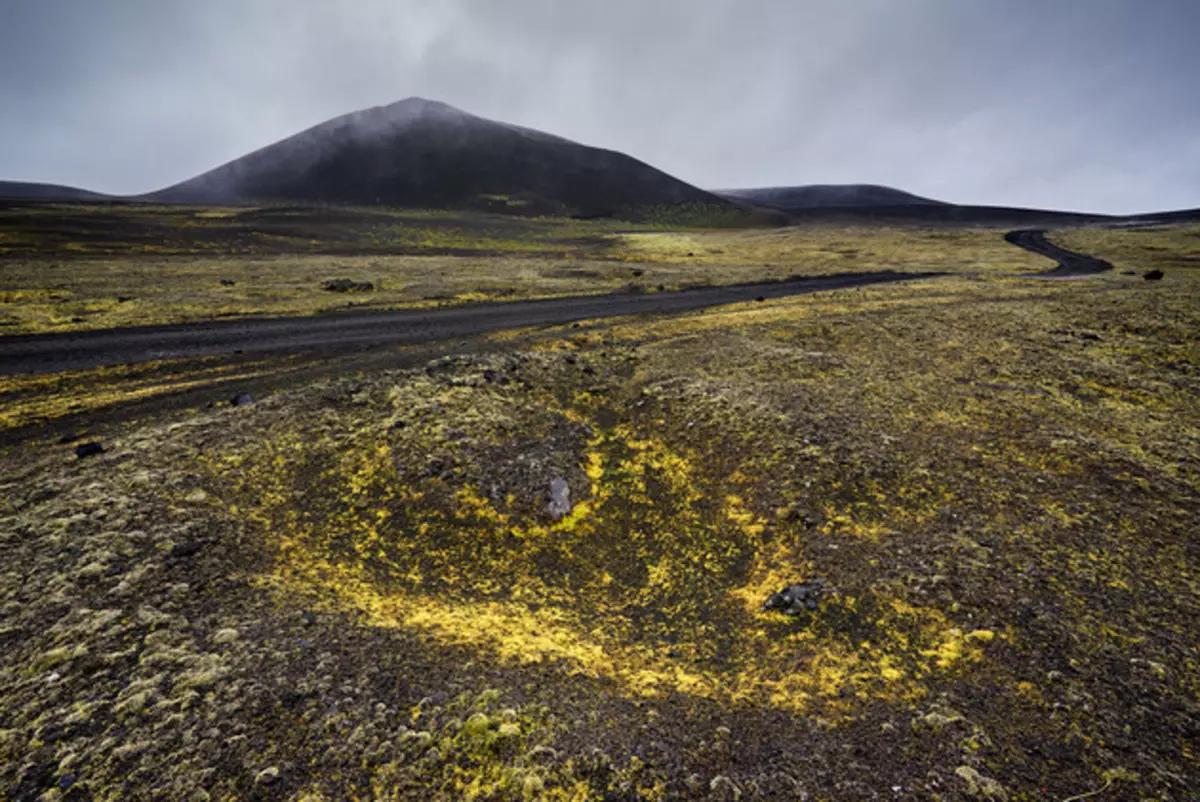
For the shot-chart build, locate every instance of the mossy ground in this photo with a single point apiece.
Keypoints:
(355, 590)
(76, 268)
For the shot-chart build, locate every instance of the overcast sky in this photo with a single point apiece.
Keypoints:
(1077, 104)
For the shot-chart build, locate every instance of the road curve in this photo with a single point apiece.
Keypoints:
(1070, 264)
(347, 332)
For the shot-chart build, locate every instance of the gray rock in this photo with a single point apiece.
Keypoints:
(560, 498)
(797, 598)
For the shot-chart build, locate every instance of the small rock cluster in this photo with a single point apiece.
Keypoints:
(798, 598)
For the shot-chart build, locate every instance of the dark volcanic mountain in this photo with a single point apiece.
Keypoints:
(22, 190)
(826, 196)
(870, 203)
(423, 153)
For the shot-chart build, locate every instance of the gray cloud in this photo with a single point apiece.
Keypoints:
(1085, 105)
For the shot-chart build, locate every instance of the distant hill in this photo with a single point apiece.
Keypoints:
(870, 203)
(826, 196)
(22, 190)
(421, 153)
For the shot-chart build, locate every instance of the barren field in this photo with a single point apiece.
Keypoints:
(532, 564)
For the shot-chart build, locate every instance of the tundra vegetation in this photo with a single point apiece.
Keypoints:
(354, 588)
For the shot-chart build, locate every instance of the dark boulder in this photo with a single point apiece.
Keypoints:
(1154, 275)
(88, 450)
(798, 598)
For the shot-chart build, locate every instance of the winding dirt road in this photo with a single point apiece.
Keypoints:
(352, 332)
(348, 333)
(1070, 263)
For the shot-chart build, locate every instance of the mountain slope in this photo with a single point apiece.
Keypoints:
(813, 196)
(24, 190)
(424, 153)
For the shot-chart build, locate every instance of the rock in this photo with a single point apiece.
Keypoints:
(1154, 275)
(223, 636)
(196, 497)
(797, 598)
(980, 786)
(267, 776)
(938, 720)
(183, 550)
(1128, 272)
(560, 498)
(724, 789)
(761, 298)
(346, 285)
(84, 450)
(241, 400)
(227, 282)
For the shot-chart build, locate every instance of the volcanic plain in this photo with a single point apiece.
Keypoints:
(531, 562)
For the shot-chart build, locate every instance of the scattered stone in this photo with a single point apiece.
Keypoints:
(1087, 335)
(797, 598)
(638, 273)
(980, 786)
(196, 497)
(241, 400)
(228, 282)
(346, 285)
(84, 450)
(1128, 272)
(937, 720)
(123, 299)
(560, 498)
(184, 550)
(724, 789)
(1154, 275)
(66, 781)
(267, 776)
(761, 298)
(224, 636)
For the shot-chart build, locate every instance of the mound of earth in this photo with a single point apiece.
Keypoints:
(856, 203)
(24, 190)
(813, 196)
(423, 153)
